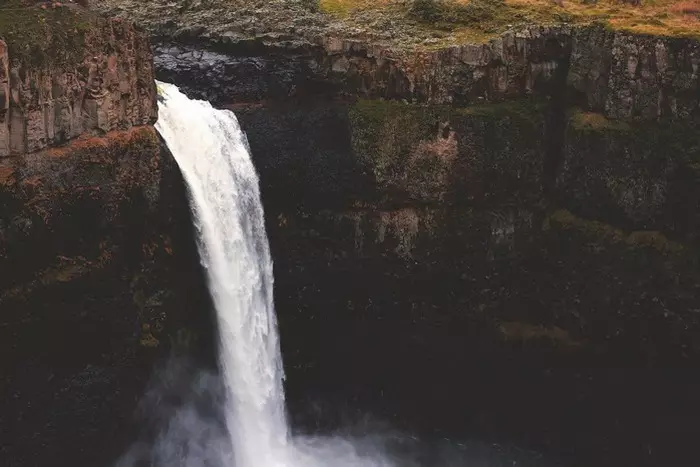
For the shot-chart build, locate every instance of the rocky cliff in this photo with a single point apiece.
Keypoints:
(76, 135)
(636, 76)
(48, 104)
(93, 220)
(256, 50)
(513, 217)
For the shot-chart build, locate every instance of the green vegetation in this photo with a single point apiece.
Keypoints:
(594, 122)
(340, 7)
(413, 148)
(606, 234)
(43, 36)
(427, 10)
(524, 332)
(526, 109)
(448, 14)
(384, 133)
(678, 140)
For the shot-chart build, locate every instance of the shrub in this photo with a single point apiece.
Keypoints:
(427, 10)
(449, 12)
(311, 5)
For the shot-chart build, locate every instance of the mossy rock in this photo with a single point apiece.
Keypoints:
(639, 175)
(597, 234)
(430, 153)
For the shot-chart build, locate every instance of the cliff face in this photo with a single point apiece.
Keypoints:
(632, 76)
(514, 64)
(526, 204)
(618, 73)
(75, 134)
(111, 88)
(93, 222)
(461, 245)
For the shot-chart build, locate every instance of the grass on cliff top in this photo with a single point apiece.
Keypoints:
(43, 36)
(345, 7)
(673, 18)
(442, 23)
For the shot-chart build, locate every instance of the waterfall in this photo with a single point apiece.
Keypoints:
(213, 156)
(212, 153)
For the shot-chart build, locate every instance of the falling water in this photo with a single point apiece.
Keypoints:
(212, 153)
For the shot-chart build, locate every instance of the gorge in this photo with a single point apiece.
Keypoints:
(487, 240)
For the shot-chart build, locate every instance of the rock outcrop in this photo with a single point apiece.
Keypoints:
(516, 64)
(93, 224)
(635, 175)
(75, 133)
(617, 73)
(112, 88)
(636, 76)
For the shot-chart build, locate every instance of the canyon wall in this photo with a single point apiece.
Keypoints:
(513, 221)
(527, 285)
(93, 222)
(77, 130)
(619, 74)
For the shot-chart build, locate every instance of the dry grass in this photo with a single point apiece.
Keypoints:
(658, 17)
(595, 122)
(345, 7)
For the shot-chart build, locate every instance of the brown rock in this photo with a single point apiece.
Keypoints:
(113, 88)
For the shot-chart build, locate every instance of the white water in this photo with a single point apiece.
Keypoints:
(212, 153)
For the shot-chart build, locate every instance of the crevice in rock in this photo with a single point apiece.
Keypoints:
(555, 127)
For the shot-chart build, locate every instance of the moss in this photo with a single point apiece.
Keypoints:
(383, 132)
(147, 338)
(524, 332)
(484, 15)
(429, 152)
(678, 140)
(595, 122)
(526, 110)
(44, 36)
(341, 7)
(655, 240)
(565, 220)
(374, 112)
(607, 234)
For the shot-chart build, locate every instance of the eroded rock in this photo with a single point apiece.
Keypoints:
(111, 89)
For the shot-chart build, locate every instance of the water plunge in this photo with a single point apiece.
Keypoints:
(212, 153)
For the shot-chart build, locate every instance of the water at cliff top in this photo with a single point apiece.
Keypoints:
(212, 153)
